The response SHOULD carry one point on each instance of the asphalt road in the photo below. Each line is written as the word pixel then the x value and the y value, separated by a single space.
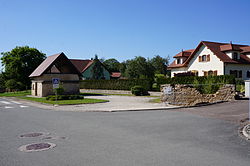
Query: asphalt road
pixel 143 138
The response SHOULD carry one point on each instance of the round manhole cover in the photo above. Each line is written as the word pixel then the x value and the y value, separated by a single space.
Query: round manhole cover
pixel 37 134
pixel 37 147
pixel 246 131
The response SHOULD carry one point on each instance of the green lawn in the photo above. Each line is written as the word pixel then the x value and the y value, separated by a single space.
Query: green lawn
pixel 15 94
pixel 64 102
pixel 157 100
pixel 23 95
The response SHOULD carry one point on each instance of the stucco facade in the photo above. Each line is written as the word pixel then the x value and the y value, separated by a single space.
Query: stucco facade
pixel 56 66
pixel 212 58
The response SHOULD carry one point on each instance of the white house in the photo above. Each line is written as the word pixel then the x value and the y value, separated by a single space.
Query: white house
pixel 212 58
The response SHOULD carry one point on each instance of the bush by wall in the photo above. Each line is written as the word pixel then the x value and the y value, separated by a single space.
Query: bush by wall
pixel 139 91
pixel 64 97
pixel 223 79
pixel 115 84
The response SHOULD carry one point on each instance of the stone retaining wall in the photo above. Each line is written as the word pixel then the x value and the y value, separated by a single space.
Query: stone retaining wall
pixel 187 95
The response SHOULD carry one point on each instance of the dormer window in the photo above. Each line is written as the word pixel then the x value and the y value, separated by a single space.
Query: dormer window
pixel 235 56
pixel 178 61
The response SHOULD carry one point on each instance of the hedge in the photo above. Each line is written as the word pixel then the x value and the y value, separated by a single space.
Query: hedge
pixel 115 84
pixel 223 79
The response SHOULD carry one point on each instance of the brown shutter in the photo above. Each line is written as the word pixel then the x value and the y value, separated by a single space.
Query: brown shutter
pixel 200 58
pixel 208 57
pixel 205 73
pixel 215 73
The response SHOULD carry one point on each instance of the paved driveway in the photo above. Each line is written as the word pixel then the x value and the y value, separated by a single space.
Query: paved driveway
pixel 116 103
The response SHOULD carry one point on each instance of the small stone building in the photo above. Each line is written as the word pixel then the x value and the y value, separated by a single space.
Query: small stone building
pixel 56 66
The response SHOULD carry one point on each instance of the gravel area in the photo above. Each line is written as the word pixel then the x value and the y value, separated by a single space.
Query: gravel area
pixel 116 103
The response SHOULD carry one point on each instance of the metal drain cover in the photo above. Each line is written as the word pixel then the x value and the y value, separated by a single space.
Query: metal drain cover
pixel 33 134
pixel 35 147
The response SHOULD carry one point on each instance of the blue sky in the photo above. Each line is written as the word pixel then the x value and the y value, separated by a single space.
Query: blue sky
pixel 121 29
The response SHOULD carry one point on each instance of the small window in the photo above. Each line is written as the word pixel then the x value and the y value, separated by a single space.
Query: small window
pixel 248 74
pixel 178 61
pixel 235 56
pixel 210 73
pixel 240 74
pixel 234 73
pixel 204 58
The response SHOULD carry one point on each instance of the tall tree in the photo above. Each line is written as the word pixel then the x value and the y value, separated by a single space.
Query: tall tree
pixel 112 65
pixel 139 68
pixel 20 62
pixel 160 64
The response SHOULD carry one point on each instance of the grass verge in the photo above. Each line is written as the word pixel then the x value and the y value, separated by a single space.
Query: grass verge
pixel 157 100
pixel 15 94
pixel 64 102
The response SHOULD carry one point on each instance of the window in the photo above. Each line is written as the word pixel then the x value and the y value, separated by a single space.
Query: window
pixel 210 73
pixel 235 56
pixel 178 61
pixel 248 74
pixel 195 72
pixel 204 58
pixel 236 73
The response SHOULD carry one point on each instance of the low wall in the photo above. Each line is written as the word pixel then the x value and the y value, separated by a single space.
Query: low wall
pixel 187 95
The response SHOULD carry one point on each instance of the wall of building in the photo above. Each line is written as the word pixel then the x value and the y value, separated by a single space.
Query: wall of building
pixel 242 67
pixel 214 64
pixel 178 70
pixel 70 83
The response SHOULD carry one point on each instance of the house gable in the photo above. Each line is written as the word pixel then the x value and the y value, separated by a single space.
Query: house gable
pixel 204 60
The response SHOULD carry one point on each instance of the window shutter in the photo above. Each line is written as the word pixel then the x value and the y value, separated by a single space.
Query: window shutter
pixel 208 57
pixel 215 73
pixel 200 58
pixel 205 73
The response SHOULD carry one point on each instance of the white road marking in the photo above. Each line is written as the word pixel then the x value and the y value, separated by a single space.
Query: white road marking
pixel 5 102
pixel 8 107
pixel 23 106
pixel 16 102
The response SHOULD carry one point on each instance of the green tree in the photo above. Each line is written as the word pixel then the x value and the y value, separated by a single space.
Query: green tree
pixel 112 65
pixel 20 62
pixel 159 64
pixel 139 67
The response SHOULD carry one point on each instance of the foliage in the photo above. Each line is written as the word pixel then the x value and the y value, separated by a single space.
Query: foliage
pixel 206 85
pixel 19 63
pixel 159 64
pixel 159 80
pixel 112 65
pixel 115 84
pixel 64 97
pixel 15 94
pixel 139 91
pixel 139 68
pixel 59 90
pixel 64 102
pixel 13 85
pixel 224 79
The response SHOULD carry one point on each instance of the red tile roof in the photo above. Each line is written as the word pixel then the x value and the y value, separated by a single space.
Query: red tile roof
pixel 116 74
pixel 185 53
pixel 219 50
pixel 81 65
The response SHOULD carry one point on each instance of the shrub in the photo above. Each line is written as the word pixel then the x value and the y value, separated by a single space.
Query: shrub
pixel 64 97
pixel 139 91
pixel 125 84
